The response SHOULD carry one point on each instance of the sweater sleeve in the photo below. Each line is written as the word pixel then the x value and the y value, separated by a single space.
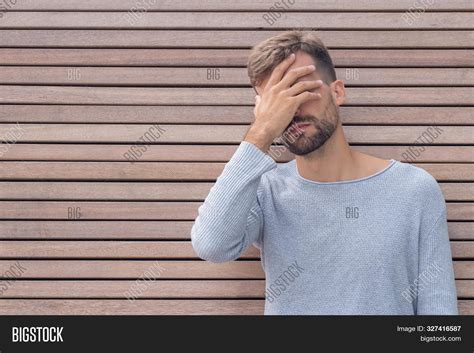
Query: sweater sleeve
pixel 230 219
pixel 435 283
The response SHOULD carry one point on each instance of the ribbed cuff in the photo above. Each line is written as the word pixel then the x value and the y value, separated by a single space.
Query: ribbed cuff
pixel 250 158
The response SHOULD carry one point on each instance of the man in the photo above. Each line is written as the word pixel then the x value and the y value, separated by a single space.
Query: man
pixel 339 231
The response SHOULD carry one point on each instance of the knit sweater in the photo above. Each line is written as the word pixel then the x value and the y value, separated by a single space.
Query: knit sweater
pixel 377 245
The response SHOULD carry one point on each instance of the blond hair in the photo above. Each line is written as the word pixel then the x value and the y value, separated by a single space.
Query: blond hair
pixel 266 55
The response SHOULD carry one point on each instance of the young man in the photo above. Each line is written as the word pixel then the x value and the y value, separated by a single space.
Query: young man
pixel 339 231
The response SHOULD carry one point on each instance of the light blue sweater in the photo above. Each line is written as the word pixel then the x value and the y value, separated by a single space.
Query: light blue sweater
pixel 376 245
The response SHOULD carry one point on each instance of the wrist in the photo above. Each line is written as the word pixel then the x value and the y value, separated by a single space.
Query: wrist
pixel 259 137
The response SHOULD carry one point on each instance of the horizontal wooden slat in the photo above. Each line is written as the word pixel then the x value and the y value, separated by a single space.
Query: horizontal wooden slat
pixel 190 5
pixel 125 307
pixel 169 171
pixel 99 210
pixel 221 76
pixel 159 289
pixel 466 307
pixel 217 96
pixel 465 288
pixel 210 58
pixel 213 153
pixel 150 191
pixel 225 133
pixel 121 269
pixel 234 20
pixel 31 249
pixel 164 230
pixel 463 249
pixel 223 114
pixel 148 307
pixel 134 269
pixel 103 230
pixel 458 191
pixel 227 38
pixel 167 289
pixel 105 250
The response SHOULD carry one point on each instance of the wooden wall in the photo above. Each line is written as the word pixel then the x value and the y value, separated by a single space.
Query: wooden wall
pixel 82 81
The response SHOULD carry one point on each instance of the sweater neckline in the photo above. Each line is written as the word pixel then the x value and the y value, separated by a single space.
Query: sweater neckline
pixel 342 182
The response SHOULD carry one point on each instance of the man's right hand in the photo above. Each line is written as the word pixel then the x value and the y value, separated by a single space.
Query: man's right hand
pixel 279 101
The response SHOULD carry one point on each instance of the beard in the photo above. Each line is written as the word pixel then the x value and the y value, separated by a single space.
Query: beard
pixel 300 144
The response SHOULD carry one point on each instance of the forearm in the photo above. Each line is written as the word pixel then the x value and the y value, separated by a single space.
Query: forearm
pixel 219 232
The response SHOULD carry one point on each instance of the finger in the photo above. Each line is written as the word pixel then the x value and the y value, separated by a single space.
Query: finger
pixel 294 74
pixel 306 96
pixel 302 86
pixel 280 70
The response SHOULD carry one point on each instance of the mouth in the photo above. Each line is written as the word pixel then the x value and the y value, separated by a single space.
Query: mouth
pixel 297 128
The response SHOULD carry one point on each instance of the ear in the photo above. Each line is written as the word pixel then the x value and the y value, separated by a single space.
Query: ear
pixel 338 91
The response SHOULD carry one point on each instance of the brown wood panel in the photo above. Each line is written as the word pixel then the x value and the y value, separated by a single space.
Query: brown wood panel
pixel 169 171
pixel 234 20
pixel 123 269
pixel 223 114
pixel 160 289
pixel 462 249
pixel 126 307
pixel 152 210
pixel 201 5
pixel 211 153
pixel 167 289
pixel 126 76
pixel 31 249
pixel 465 289
pixel 68 38
pixel 227 58
pixel 108 269
pixel 148 307
pixel 70 230
pixel 216 96
pixel 150 191
pixel 148 230
pixel 111 249
pixel 466 307
pixel 402 78
pixel 165 133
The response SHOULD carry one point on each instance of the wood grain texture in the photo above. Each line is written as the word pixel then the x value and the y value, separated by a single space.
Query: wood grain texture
pixel 169 171
pixel 123 114
pixel 398 96
pixel 222 134
pixel 67 38
pixel 226 58
pixel 86 79
pixel 171 191
pixel 159 289
pixel 149 307
pixel 234 20
pixel 249 5
pixel 30 249
pixel 216 153
pixel 157 77
pixel 137 230
pixel 152 210
pixel 127 269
